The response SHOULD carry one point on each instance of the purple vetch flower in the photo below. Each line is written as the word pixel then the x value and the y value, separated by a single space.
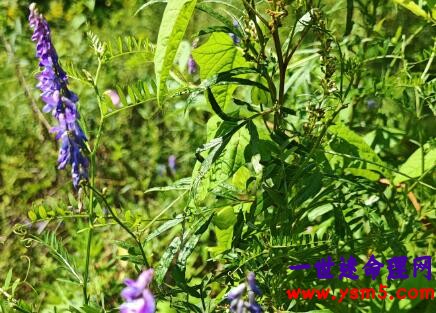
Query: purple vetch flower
pixel 172 162
pixel 236 39
pixel 192 65
pixel 59 100
pixel 138 296
pixel 238 304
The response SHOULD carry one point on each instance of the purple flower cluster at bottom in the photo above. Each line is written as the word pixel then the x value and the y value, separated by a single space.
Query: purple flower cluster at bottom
pixel 138 296
pixel 238 304
pixel 59 100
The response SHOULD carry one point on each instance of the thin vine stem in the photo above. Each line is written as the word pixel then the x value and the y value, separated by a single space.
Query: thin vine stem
pixel 119 222
pixel 91 185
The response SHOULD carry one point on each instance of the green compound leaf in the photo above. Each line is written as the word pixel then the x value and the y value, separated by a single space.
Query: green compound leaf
pixel 225 218
pixel 175 20
pixel 219 54
pixel 224 241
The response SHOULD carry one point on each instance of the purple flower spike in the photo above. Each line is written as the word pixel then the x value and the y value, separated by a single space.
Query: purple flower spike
pixel 138 296
pixel 59 100
pixel 235 296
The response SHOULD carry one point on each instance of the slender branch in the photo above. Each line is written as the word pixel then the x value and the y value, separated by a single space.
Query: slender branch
pixel 289 53
pixel 119 222
pixel 92 183
pixel 90 232
pixel 250 8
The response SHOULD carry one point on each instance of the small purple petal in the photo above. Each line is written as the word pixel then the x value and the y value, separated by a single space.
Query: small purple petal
pixel 172 162
pixel 139 298
pixel 135 306
pixel 236 292
pixel 135 288
pixel 251 278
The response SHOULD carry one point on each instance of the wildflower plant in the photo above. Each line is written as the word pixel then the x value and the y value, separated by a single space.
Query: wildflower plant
pixel 292 166
pixel 53 83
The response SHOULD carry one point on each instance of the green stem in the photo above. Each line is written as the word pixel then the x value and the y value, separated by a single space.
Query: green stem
pixel 90 232
pixel 119 222
pixel 92 187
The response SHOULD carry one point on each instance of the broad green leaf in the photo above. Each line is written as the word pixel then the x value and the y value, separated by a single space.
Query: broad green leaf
pixel 317 212
pixel 227 77
pixel 355 150
pixel 214 29
pixel 231 159
pixel 219 54
pixel 239 179
pixel 413 166
pixel 167 259
pixel 361 172
pixel 175 20
pixel 164 306
pixel 225 218
pixel 224 241
pixel 217 109
pixel 259 96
